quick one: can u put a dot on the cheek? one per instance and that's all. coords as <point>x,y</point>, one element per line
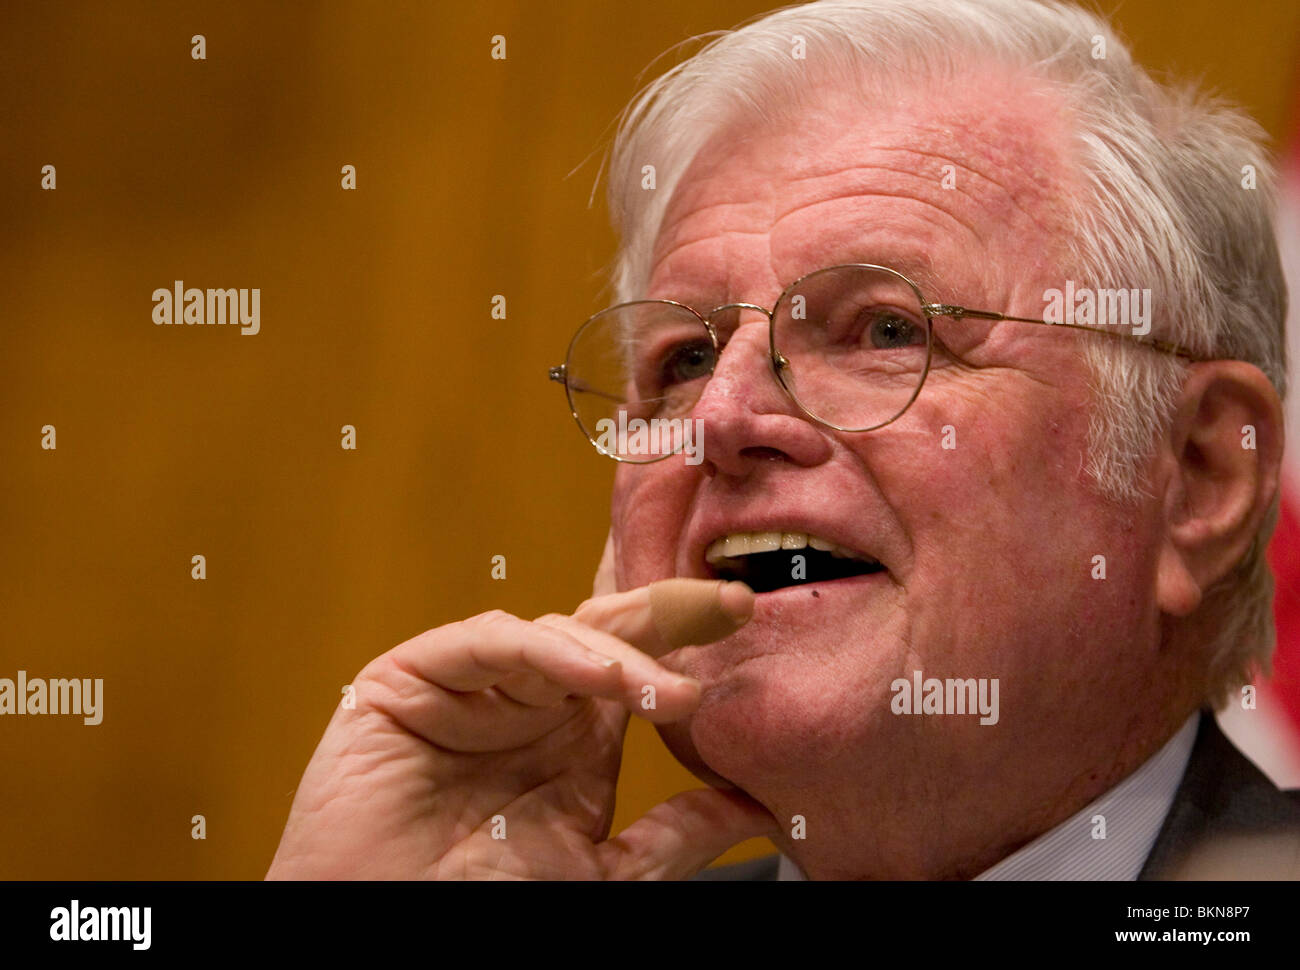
<point>1022,571</point>
<point>992,481</point>
<point>649,510</point>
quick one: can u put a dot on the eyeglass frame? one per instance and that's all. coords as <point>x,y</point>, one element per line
<point>778,362</point>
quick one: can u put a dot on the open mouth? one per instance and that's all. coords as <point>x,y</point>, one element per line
<point>768,561</point>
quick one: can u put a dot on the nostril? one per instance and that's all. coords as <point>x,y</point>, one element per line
<point>765,454</point>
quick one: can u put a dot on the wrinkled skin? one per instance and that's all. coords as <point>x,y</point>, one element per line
<point>988,545</point>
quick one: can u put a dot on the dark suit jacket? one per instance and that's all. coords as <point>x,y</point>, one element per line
<point>1222,796</point>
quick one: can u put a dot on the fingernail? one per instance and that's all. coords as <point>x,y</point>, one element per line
<point>600,660</point>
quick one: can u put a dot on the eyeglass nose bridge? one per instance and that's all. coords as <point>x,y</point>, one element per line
<point>776,363</point>
<point>708,317</point>
<point>739,306</point>
<point>715,311</point>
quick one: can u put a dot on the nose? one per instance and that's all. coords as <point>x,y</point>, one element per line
<point>748,418</point>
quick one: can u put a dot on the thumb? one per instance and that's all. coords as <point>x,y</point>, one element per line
<point>679,837</point>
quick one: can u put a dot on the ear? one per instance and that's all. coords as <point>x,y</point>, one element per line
<point>605,581</point>
<point>1222,461</point>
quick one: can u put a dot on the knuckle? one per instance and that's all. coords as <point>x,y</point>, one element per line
<point>553,619</point>
<point>381,672</point>
<point>492,618</point>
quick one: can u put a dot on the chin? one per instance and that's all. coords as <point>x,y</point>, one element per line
<point>770,723</point>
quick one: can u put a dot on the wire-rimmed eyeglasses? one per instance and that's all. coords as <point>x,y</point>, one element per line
<point>851,345</point>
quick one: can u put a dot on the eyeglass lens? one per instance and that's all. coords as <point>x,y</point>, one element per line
<point>853,344</point>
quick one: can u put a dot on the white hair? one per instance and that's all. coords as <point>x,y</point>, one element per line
<point>1167,199</point>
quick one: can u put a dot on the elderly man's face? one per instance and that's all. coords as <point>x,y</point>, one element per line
<point>988,546</point>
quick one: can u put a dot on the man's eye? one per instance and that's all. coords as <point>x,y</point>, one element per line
<point>888,331</point>
<point>687,362</point>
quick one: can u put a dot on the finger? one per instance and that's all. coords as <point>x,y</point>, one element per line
<point>436,685</point>
<point>648,688</point>
<point>477,722</point>
<point>679,837</point>
<point>479,652</point>
<point>671,613</point>
<point>532,689</point>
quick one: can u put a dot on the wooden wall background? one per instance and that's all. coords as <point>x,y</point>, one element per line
<point>176,441</point>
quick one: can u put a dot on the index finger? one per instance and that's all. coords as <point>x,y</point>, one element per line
<point>478,653</point>
<point>670,613</point>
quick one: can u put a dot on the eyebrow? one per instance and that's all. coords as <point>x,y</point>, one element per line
<point>918,268</point>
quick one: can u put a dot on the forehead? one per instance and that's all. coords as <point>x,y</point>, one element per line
<point>932,180</point>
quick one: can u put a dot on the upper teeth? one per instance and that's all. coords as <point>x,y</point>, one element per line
<point>745,543</point>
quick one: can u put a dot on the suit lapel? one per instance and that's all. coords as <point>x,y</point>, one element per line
<point>1222,796</point>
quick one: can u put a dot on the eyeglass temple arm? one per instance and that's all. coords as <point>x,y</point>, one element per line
<point>560,375</point>
<point>957,312</point>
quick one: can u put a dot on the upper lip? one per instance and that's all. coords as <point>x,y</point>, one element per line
<point>708,528</point>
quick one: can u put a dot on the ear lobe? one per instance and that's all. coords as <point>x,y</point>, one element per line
<point>1225,452</point>
<point>605,581</point>
<point>1177,591</point>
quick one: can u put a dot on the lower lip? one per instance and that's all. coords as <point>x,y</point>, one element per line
<point>823,588</point>
<point>801,608</point>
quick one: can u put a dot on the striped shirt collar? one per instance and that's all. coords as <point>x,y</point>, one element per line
<point>1134,810</point>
